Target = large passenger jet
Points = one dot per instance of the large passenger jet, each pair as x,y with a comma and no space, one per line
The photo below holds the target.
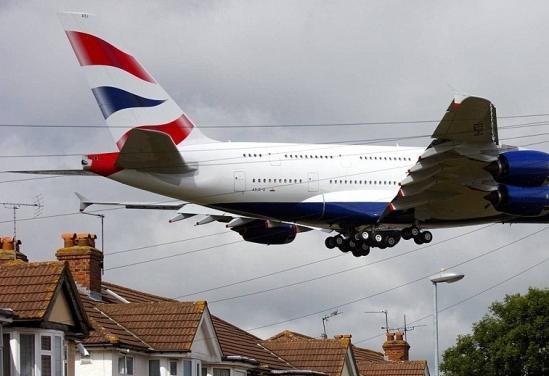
369,196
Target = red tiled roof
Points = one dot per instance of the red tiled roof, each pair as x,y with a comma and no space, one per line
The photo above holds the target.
133,296
107,331
237,342
407,368
287,335
28,288
164,326
367,355
327,355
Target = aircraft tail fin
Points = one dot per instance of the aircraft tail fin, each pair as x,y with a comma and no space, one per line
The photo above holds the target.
128,96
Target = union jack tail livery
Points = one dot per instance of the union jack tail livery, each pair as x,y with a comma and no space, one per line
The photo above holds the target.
128,96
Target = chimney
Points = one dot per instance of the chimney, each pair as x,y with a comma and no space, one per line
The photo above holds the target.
344,339
9,250
396,348
84,260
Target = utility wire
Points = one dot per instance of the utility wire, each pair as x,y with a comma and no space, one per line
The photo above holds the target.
350,302
523,271
324,275
280,125
315,147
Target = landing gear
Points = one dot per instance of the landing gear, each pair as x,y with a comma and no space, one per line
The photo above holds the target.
360,243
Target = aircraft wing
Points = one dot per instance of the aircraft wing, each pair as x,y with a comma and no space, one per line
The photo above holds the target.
449,182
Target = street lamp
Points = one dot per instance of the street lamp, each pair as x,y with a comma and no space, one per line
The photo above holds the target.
442,277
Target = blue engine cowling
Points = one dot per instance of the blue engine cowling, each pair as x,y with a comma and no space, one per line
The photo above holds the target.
522,201
265,232
528,168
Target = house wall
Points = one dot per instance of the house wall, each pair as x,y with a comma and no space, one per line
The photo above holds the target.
99,363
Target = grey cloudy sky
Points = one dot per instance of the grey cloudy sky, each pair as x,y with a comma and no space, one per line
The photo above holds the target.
265,62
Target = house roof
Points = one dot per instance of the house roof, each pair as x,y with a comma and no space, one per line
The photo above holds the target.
106,331
163,326
133,296
303,352
28,288
407,368
31,290
367,355
237,342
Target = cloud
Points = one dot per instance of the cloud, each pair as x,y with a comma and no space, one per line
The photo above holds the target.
249,63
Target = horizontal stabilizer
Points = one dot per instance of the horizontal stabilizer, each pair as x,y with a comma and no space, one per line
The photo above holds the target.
152,151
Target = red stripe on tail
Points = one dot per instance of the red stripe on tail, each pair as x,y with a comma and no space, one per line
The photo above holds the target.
178,130
91,50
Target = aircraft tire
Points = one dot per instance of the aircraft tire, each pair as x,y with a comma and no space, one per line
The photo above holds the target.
330,242
406,233
426,237
364,249
339,240
418,240
415,231
390,241
344,247
378,238
357,252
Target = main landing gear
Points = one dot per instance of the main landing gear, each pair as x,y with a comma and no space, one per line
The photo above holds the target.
359,243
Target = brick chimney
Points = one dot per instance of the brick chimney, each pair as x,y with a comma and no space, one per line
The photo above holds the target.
396,348
9,250
84,260
344,339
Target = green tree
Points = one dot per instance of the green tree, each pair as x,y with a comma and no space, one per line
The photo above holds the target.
512,339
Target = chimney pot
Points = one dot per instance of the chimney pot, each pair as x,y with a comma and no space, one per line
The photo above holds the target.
84,261
9,249
396,350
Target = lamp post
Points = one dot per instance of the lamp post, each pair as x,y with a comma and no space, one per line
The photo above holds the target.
443,277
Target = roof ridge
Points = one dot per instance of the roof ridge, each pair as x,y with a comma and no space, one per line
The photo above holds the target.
120,325
136,291
34,264
276,355
234,326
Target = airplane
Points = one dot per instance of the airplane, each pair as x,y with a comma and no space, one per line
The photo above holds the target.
369,196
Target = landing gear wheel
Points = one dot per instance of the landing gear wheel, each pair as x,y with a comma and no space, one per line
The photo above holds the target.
406,233
330,242
339,240
418,240
378,238
344,247
352,244
426,237
390,241
356,252
415,231
364,249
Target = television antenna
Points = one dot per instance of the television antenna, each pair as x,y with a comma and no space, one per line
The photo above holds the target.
405,329
325,318
14,206
386,313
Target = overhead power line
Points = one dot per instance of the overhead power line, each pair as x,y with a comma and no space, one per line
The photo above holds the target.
207,125
424,277
470,297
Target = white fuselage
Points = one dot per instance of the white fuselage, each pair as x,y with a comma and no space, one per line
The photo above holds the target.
285,181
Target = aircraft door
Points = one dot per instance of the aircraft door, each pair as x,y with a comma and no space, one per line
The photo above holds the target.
313,181
239,181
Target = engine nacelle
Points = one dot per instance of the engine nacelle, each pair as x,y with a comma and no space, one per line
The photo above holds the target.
266,232
527,168
522,201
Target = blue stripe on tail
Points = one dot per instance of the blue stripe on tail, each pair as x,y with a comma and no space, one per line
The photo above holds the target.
111,99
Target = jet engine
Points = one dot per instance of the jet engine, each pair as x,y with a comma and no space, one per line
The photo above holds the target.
523,201
267,232
521,167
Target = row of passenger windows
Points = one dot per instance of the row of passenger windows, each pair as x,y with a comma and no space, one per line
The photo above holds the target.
279,180
305,156
332,181
376,182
